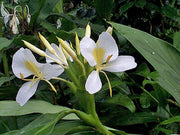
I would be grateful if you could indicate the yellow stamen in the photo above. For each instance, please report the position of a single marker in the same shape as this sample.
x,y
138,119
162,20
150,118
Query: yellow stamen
x,y
53,88
22,77
32,67
32,82
107,60
98,54
109,84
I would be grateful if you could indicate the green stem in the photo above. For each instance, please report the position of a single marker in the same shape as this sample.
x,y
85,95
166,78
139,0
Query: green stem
x,y
87,102
143,89
173,102
93,120
5,63
149,94
80,63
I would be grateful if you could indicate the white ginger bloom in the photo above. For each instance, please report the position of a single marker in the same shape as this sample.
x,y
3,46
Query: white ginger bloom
x,y
5,14
24,64
14,24
104,56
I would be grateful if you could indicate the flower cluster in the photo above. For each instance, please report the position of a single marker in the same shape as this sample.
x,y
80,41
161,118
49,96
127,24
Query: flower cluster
x,y
98,57
12,18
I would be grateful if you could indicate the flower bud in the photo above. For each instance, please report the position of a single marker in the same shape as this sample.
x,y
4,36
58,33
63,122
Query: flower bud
x,y
47,45
109,30
67,48
34,49
88,31
77,45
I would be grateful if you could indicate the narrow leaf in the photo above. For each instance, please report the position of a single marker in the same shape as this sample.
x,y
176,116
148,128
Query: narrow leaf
x,y
160,54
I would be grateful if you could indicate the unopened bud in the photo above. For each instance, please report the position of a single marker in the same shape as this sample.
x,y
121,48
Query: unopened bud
x,y
47,45
88,31
77,45
34,49
67,48
109,30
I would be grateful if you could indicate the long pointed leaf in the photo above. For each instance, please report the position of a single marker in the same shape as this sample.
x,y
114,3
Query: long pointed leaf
x,y
160,54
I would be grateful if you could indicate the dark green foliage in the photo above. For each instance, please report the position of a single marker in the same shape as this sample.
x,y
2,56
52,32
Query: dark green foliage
x,y
145,100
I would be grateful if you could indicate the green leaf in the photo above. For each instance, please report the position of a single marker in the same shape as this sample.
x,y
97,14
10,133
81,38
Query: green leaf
x,y
59,7
122,100
145,100
171,120
169,11
125,7
8,92
142,70
12,108
6,79
113,84
138,118
43,125
4,42
140,3
166,131
104,8
176,40
49,27
160,54
67,127
40,10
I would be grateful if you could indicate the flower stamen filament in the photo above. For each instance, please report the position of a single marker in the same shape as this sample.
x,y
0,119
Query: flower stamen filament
x,y
109,84
53,88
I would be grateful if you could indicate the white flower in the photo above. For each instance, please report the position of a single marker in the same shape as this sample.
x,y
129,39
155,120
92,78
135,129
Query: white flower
x,y
104,56
14,24
58,23
24,64
5,14
28,17
61,55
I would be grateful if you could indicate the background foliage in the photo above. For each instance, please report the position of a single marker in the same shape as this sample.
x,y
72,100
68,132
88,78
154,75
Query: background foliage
x,y
145,100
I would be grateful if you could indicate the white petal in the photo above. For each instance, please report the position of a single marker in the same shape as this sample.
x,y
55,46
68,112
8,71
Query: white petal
x,y
59,52
6,19
50,70
4,12
54,46
18,62
107,42
15,29
26,92
121,64
93,82
87,46
17,21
